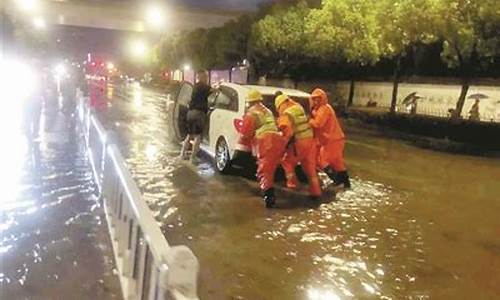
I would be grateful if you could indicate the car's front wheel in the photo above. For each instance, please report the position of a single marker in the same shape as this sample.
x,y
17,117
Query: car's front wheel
x,y
222,158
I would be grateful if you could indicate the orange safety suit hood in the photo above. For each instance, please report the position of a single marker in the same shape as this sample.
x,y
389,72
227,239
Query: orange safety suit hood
x,y
323,98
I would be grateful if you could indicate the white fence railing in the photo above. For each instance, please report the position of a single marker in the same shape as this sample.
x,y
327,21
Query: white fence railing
x,y
149,268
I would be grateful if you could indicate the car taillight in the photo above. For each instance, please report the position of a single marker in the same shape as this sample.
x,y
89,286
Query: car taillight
x,y
238,124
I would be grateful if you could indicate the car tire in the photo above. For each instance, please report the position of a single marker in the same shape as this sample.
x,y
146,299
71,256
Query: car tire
x,y
222,158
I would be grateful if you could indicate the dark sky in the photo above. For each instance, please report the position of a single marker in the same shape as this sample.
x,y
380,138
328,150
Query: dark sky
x,y
223,4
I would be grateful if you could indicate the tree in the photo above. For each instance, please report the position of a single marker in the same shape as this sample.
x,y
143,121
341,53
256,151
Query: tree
x,y
345,31
279,41
404,25
470,31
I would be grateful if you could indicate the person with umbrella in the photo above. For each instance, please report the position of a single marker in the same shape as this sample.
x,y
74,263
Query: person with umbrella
x,y
410,102
474,114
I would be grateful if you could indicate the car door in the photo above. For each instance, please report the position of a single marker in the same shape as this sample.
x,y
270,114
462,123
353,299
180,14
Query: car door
x,y
225,111
180,110
211,106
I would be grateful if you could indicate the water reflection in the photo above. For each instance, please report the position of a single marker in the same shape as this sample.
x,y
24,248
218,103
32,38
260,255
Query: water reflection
x,y
151,152
377,241
137,96
319,294
110,90
46,224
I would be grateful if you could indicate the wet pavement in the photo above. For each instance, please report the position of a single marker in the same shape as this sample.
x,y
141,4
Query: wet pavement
x,y
53,236
417,224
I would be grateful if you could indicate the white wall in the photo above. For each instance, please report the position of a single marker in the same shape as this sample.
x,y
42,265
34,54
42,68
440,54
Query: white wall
x,y
381,92
436,100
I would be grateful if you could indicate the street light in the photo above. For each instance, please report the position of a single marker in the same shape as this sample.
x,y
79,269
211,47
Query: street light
x,y
28,5
187,67
155,16
39,23
110,66
138,48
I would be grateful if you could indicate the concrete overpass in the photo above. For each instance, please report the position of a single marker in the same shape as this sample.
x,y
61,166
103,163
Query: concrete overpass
x,y
125,15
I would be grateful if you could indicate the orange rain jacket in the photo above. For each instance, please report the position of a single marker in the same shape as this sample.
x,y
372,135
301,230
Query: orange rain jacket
x,y
328,131
303,151
259,129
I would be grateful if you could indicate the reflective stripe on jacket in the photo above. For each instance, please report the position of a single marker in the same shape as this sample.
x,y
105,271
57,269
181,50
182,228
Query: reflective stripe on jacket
x,y
301,127
264,120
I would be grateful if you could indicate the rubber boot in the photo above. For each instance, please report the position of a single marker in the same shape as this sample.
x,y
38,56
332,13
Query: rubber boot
x,y
343,180
269,198
331,174
347,181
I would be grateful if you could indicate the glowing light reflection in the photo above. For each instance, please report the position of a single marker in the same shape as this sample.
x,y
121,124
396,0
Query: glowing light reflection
x,y
317,294
151,152
17,84
137,92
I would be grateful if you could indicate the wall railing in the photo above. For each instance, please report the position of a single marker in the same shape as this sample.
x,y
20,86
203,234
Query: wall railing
x,y
149,268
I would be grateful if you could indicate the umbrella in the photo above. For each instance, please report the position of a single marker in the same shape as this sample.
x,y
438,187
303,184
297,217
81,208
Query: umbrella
x,y
478,96
410,97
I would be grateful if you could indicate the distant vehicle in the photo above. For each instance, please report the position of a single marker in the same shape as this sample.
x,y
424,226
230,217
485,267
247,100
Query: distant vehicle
x,y
227,108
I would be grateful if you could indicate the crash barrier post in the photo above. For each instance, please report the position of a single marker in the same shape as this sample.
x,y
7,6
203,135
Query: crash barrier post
x,y
148,267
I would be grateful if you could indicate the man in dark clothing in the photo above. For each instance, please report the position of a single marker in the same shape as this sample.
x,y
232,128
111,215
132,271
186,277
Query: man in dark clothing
x,y
196,116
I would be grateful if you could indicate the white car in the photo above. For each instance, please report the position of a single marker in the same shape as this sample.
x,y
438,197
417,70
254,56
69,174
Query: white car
x,y
227,108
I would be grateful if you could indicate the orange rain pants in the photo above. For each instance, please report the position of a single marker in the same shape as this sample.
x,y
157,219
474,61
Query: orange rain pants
x,y
270,148
332,155
305,152
267,148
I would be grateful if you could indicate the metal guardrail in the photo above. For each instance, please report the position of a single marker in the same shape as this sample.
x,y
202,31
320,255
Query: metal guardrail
x,y
149,268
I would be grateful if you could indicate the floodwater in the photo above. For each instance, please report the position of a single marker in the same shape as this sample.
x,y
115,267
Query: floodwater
x,y
417,224
53,234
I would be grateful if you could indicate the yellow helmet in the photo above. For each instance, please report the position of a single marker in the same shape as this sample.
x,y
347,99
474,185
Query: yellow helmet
x,y
254,96
280,100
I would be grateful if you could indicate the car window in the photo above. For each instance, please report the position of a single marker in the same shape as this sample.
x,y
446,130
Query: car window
x,y
227,99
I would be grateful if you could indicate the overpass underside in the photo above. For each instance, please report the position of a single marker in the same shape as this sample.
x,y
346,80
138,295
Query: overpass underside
x,y
123,15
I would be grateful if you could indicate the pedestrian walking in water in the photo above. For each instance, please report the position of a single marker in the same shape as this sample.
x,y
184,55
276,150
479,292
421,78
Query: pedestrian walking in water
x,y
302,147
260,130
331,139
197,114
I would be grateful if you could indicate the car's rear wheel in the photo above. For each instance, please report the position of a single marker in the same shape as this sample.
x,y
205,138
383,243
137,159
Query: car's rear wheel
x,y
222,158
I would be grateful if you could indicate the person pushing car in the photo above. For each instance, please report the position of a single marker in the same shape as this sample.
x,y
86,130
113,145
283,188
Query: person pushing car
x,y
260,130
331,139
302,147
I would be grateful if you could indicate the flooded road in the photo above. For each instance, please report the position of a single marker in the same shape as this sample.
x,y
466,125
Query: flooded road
x,y
53,234
417,224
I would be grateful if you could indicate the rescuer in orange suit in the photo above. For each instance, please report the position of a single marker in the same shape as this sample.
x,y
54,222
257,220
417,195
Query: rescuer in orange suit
x,y
259,129
331,139
302,147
